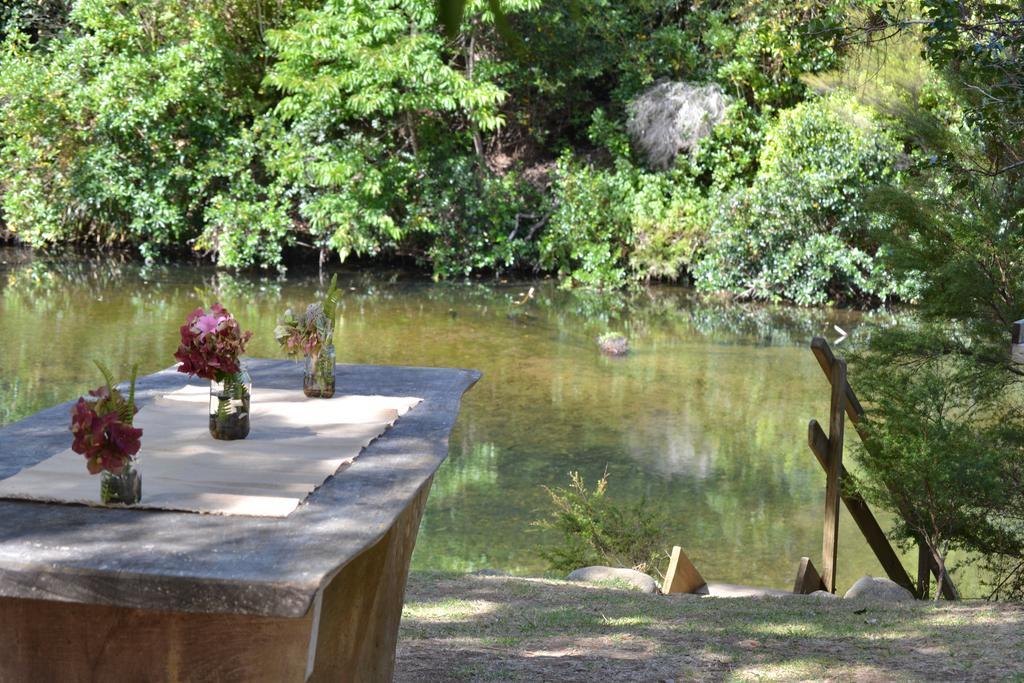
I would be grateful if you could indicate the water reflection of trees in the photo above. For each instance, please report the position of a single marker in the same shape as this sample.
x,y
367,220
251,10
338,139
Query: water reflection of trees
x,y
641,311
706,419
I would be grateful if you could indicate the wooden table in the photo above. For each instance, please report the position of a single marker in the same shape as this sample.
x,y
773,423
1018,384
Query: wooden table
x,y
93,594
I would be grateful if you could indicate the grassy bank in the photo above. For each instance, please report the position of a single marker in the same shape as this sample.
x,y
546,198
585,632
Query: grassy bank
x,y
498,628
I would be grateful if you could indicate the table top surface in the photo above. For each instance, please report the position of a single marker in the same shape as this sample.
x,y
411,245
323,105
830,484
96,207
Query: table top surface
x,y
214,563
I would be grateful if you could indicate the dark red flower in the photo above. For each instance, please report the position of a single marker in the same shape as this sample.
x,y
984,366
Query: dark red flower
x,y
105,441
211,344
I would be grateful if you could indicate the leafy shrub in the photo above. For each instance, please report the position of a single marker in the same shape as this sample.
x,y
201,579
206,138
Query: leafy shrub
x,y
161,124
612,226
472,220
943,443
764,47
105,126
729,156
588,236
669,217
246,219
596,531
800,232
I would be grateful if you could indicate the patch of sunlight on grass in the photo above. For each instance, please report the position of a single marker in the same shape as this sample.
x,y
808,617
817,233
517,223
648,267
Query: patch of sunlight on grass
x,y
633,620
564,652
506,641
796,669
807,669
950,618
787,630
448,610
893,633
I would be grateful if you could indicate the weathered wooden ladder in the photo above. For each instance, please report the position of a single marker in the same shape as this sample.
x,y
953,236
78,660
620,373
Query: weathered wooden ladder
x,y
829,452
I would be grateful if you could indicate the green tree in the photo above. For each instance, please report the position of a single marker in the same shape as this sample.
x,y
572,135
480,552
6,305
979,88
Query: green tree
x,y
944,444
105,125
368,89
800,232
944,447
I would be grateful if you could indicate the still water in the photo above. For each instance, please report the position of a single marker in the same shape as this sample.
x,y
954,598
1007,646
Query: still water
x,y
706,418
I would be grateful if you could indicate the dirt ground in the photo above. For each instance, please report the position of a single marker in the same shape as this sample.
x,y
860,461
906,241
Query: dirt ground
x,y
483,628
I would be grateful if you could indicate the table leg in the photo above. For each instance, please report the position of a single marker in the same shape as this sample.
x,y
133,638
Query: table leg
x,y
362,606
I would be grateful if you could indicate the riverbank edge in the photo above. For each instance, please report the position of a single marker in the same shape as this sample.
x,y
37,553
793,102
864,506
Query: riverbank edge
x,y
468,627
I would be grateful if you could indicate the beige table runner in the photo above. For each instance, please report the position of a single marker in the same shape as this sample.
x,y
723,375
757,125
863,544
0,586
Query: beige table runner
x,y
294,444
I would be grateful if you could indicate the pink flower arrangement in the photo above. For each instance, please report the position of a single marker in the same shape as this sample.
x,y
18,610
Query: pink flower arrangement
x,y
211,344
102,428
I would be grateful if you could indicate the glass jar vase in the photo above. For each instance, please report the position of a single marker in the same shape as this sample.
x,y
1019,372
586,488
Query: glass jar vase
x,y
229,406
318,378
124,488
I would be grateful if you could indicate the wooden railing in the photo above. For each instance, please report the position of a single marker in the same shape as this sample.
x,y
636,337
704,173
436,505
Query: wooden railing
x,y
829,452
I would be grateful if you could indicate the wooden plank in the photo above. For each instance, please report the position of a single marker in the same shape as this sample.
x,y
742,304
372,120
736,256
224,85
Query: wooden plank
x,y
807,578
362,607
854,410
45,640
826,360
862,515
923,571
833,471
682,576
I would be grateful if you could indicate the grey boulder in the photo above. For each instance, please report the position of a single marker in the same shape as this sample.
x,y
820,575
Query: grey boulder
x,y
823,595
596,574
874,588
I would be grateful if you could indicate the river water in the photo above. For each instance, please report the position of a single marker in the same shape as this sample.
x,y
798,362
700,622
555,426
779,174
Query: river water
x,y
705,419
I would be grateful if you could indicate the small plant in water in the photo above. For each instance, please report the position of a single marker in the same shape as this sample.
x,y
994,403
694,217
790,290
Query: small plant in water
x,y
596,531
102,431
613,344
312,334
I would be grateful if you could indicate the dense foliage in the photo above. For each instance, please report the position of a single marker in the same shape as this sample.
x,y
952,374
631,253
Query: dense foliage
x,y
800,231
259,133
255,132
945,433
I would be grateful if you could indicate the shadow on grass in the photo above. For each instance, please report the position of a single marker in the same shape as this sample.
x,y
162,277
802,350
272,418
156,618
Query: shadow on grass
x,y
499,628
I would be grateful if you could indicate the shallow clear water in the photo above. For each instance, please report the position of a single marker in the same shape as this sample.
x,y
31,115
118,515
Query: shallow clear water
x,y
705,419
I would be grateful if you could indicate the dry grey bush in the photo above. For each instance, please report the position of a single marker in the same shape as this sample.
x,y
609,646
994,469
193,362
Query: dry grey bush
x,y
672,117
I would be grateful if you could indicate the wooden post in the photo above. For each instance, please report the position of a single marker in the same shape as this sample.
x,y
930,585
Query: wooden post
x,y
854,410
833,483
807,578
861,513
924,578
682,576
